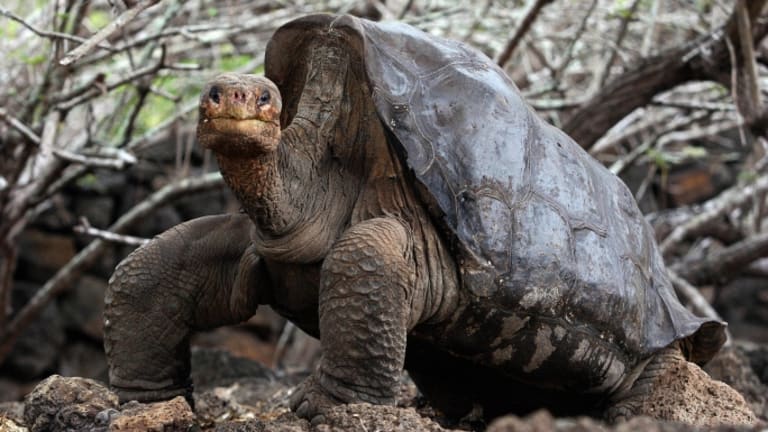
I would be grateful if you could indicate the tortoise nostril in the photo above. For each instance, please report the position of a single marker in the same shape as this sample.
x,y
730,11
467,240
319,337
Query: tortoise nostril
x,y
239,95
215,94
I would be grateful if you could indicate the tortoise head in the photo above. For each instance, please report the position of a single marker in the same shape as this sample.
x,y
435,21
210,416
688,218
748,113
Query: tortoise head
x,y
239,115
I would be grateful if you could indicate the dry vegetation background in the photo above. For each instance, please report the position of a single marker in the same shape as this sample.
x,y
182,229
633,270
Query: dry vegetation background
x,y
99,153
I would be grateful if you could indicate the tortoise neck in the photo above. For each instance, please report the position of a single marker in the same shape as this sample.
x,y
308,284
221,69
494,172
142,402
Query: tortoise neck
x,y
258,184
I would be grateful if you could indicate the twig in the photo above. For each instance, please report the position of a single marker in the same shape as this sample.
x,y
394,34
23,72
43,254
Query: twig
x,y
554,104
117,24
405,10
750,96
725,262
568,56
728,199
606,72
117,163
90,93
522,29
44,33
638,86
476,21
694,105
19,126
86,228
282,342
650,34
64,278
142,92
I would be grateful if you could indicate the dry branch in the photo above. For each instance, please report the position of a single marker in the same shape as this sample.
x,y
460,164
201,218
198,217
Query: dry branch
x,y
614,51
522,29
19,126
86,229
115,25
637,87
117,163
721,265
714,209
70,272
44,33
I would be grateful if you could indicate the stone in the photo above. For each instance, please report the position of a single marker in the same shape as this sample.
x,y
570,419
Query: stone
x,y
174,415
62,404
685,393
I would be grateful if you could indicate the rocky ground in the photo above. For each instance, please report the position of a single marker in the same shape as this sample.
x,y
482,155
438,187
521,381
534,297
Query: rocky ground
x,y
237,394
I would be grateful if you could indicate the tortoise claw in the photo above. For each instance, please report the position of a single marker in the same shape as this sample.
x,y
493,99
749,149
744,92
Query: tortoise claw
x,y
311,400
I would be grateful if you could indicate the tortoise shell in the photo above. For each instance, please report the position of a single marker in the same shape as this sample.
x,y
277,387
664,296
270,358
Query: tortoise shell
x,y
537,224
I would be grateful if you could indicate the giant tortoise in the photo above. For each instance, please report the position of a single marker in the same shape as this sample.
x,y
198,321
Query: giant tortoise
x,y
405,205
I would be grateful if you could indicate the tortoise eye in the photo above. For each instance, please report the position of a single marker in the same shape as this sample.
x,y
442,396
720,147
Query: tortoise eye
x,y
264,98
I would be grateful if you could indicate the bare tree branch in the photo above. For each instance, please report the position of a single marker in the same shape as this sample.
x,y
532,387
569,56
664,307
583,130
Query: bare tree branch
x,y
724,263
45,33
117,163
714,209
19,126
69,273
115,25
704,58
86,228
625,19
522,29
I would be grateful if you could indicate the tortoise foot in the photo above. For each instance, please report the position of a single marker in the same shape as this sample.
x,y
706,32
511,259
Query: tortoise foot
x,y
156,395
311,401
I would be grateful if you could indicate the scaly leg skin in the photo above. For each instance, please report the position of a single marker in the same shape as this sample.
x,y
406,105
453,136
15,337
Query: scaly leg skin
x,y
671,388
200,274
365,284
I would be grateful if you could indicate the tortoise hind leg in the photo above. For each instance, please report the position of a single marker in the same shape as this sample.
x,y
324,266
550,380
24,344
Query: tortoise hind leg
x,y
671,388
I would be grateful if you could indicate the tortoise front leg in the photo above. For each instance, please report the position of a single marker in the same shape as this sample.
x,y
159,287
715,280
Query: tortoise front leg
x,y
198,275
365,286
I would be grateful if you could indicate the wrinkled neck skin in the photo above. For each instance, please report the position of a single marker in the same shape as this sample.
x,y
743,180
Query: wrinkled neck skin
x,y
296,195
